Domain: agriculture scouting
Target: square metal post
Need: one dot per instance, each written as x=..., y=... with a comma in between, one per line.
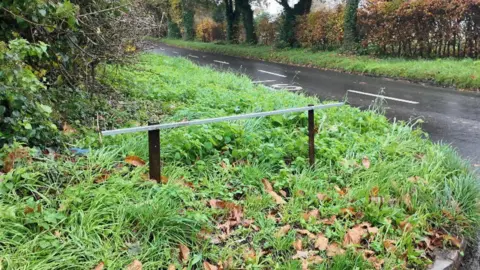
x=311, y=136
x=154, y=158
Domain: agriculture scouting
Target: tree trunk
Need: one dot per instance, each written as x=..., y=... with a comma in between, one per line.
x=350, y=33
x=248, y=24
x=188, y=20
x=232, y=14
x=287, y=33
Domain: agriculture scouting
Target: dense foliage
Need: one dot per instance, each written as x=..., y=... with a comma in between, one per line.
x=49, y=54
x=237, y=194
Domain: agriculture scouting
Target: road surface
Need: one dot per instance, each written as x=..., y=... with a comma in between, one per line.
x=449, y=116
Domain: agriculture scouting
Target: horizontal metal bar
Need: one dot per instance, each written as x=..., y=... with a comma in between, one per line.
x=219, y=119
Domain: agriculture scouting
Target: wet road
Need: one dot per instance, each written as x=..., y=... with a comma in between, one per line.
x=449, y=116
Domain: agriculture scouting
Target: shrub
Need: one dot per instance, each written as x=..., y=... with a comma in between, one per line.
x=322, y=29
x=208, y=30
x=266, y=29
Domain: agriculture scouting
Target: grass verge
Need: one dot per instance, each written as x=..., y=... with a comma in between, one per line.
x=235, y=195
x=463, y=74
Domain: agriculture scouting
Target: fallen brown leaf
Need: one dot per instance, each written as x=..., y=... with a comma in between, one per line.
x=102, y=178
x=283, y=193
x=307, y=233
x=376, y=262
x=322, y=197
x=348, y=211
x=267, y=185
x=282, y=231
x=321, y=243
x=67, y=129
x=366, y=162
x=135, y=161
x=171, y=267
x=304, y=265
x=135, y=265
x=374, y=191
x=249, y=255
x=334, y=250
x=453, y=240
x=406, y=226
x=329, y=221
x=208, y=266
x=315, y=259
x=184, y=253
x=163, y=179
x=311, y=214
x=9, y=161
x=389, y=245
x=57, y=234
x=297, y=245
x=353, y=236
x=341, y=192
x=276, y=197
x=100, y=266
x=300, y=255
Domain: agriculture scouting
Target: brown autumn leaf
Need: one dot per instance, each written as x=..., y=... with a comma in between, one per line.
x=135, y=161
x=341, y=192
x=307, y=233
x=453, y=240
x=334, y=250
x=304, y=265
x=321, y=243
x=311, y=214
x=267, y=185
x=276, y=197
x=282, y=231
x=102, y=178
x=67, y=129
x=389, y=245
x=184, y=253
x=208, y=266
x=171, y=267
x=315, y=259
x=366, y=162
x=135, y=265
x=297, y=245
x=163, y=179
x=249, y=255
x=57, y=234
x=100, y=266
x=9, y=161
x=348, y=211
x=406, y=226
x=283, y=193
x=322, y=197
x=28, y=210
x=353, y=236
x=329, y=221
x=301, y=255
x=374, y=191
x=407, y=200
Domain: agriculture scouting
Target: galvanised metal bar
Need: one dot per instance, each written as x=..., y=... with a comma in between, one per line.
x=311, y=136
x=219, y=119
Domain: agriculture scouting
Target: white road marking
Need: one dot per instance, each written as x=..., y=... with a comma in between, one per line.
x=175, y=52
x=162, y=49
x=271, y=73
x=193, y=56
x=267, y=81
x=287, y=87
x=385, y=97
x=221, y=62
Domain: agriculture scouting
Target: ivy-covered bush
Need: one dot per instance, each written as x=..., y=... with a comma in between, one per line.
x=23, y=117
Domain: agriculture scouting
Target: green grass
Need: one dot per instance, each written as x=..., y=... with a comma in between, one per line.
x=463, y=74
x=56, y=213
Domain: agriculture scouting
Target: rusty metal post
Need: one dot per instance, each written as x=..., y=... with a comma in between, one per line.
x=311, y=136
x=154, y=159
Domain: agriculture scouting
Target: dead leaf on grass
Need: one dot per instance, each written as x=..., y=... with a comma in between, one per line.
x=322, y=197
x=282, y=231
x=321, y=243
x=389, y=245
x=184, y=253
x=135, y=265
x=100, y=266
x=135, y=161
x=67, y=129
x=102, y=178
x=307, y=233
x=406, y=226
x=269, y=190
x=374, y=191
x=366, y=162
x=283, y=193
x=353, y=236
x=249, y=255
x=348, y=211
x=171, y=267
x=334, y=250
x=311, y=214
x=208, y=266
x=341, y=192
x=329, y=221
x=267, y=185
x=297, y=245
x=453, y=240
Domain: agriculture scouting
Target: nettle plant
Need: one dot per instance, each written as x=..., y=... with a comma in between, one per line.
x=22, y=117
